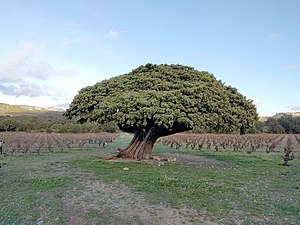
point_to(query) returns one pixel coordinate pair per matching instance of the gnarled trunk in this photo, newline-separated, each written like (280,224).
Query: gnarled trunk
(141,145)
(144,139)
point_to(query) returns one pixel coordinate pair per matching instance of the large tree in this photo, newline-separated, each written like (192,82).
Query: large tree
(158,100)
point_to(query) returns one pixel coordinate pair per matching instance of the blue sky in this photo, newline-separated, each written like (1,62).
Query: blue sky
(52,49)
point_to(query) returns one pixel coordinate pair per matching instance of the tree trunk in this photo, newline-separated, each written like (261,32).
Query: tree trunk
(141,145)
(144,139)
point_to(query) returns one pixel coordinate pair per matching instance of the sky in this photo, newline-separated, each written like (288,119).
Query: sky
(49,50)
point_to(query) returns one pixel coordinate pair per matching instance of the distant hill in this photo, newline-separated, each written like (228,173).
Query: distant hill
(278,115)
(20,110)
(263,118)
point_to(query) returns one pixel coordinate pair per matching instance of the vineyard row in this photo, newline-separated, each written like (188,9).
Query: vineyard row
(218,142)
(24,143)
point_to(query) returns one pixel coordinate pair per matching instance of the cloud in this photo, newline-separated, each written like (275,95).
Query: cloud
(293,107)
(25,73)
(24,63)
(63,105)
(257,102)
(273,36)
(290,66)
(28,90)
(14,63)
(113,34)
(40,70)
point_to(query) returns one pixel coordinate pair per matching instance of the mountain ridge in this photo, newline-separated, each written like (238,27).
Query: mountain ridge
(15,110)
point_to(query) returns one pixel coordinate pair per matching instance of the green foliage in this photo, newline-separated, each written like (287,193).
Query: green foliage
(56,123)
(173,97)
(73,128)
(274,127)
(30,123)
(110,127)
(8,124)
(281,123)
(290,124)
(259,126)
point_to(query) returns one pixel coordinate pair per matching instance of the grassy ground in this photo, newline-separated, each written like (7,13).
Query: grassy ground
(217,187)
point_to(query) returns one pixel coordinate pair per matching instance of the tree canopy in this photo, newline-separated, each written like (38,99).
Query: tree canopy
(283,124)
(166,99)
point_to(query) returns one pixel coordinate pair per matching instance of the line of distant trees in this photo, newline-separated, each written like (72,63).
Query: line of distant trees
(286,124)
(51,124)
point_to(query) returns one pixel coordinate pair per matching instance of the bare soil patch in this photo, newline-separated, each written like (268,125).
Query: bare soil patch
(114,203)
(92,201)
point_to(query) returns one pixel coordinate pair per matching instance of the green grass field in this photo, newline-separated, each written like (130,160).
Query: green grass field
(201,187)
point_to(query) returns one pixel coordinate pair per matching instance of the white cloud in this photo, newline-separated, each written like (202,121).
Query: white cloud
(14,63)
(293,107)
(26,89)
(25,63)
(257,102)
(63,105)
(25,73)
(113,34)
(273,36)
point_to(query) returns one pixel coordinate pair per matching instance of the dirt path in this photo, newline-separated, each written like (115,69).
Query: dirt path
(116,204)
(92,201)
